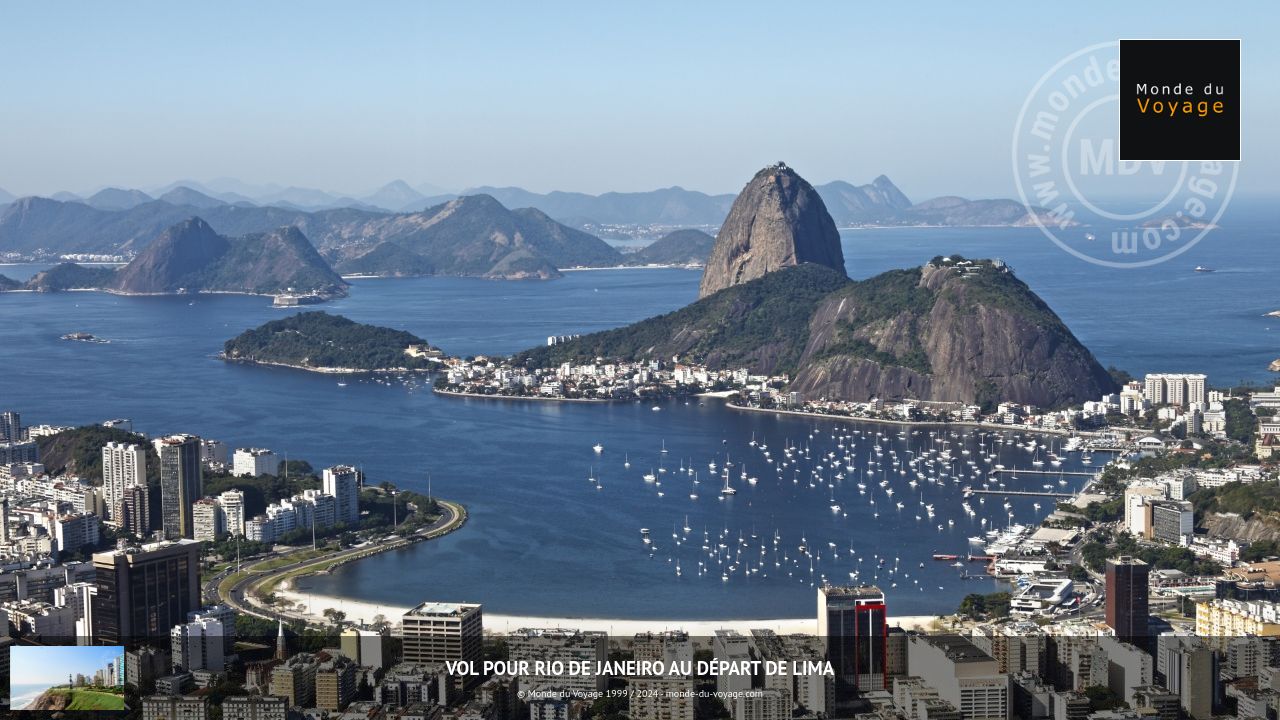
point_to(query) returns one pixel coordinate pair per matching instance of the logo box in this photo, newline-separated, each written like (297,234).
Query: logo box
(1180,100)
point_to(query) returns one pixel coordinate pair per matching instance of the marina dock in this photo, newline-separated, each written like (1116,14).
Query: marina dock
(1025,493)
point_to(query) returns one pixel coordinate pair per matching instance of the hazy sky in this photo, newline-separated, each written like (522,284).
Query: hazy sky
(31,665)
(589,97)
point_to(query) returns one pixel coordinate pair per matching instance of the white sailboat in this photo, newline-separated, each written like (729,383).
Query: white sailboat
(727,489)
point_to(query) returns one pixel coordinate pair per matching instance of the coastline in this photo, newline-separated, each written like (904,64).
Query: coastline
(125,293)
(363,611)
(539,398)
(659,266)
(918,423)
(460,393)
(323,370)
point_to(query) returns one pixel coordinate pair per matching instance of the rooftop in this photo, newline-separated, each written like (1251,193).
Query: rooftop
(869,592)
(956,648)
(442,609)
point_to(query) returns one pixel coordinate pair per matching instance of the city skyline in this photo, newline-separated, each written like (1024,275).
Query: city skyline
(594,100)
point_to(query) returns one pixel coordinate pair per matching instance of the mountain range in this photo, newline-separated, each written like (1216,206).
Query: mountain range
(191,257)
(472,235)
(775,298)
(877,203)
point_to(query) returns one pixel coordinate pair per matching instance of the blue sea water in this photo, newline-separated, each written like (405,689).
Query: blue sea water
(20,696)
(541,539)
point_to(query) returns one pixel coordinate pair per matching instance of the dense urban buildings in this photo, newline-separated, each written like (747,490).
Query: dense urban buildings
(1043,654)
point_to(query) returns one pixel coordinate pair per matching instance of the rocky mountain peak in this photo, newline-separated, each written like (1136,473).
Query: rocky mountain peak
(889,193)
(777,221)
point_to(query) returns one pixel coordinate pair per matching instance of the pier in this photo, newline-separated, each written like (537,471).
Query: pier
(1055,473)
(1027,493)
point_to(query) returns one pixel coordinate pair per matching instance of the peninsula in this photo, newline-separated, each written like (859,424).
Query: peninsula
(776,302)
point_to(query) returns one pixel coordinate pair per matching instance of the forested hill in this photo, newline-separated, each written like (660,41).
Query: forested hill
(320,341)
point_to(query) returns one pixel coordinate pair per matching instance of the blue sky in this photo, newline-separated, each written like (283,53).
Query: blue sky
(571,96)
(32,665)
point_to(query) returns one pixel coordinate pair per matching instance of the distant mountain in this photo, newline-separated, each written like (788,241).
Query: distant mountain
(681,247)
(190,256)
(185,196)
(953,211)
(396,196)
(387,259)
(33,224)
(564,246)
(778,220)
(224,190)
(852,203)
(117,199)
(300,198)
(474,235)
(882,203)
(70,276)
(668,206)
(5,197)
(64,196)
(427,189)
(878,203)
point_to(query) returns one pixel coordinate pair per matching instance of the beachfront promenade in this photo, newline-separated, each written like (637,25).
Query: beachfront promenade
(245,588)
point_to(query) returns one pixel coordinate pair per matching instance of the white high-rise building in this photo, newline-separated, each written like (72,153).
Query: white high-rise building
(340,481)
(1195,389)
(252,462)
(199,645)
(207,519)
(124,465)
(1180,389)
(232,504)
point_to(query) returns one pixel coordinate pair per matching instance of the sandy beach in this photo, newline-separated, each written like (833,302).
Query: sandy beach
(356,610)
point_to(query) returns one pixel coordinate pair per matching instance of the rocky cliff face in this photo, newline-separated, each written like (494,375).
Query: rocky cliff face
(963,331)
(1231,525)
(777,221)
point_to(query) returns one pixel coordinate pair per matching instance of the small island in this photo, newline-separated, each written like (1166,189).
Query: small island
(319,342)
